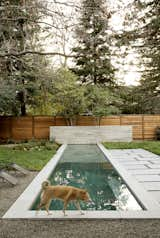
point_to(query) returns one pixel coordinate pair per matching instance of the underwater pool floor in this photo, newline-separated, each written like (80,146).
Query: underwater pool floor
(85,166)
(139,169)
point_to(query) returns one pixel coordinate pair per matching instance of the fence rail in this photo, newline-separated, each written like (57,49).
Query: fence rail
(37,127)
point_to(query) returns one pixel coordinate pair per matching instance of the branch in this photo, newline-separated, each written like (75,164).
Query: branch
(36,53)
(39,22)
(68,4)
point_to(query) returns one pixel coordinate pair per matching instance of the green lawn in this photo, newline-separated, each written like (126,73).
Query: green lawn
(35,155)
(153,146)
(32,156)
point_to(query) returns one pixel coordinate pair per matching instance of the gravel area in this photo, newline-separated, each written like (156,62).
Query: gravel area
(75,229)
(25,228)
(9,193)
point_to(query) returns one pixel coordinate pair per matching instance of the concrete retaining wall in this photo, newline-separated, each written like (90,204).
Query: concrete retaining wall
(90,134)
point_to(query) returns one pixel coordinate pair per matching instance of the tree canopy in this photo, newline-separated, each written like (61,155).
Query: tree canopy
(93,57)
(65,58)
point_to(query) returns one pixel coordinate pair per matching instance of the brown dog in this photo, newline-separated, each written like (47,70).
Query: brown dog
(65,193)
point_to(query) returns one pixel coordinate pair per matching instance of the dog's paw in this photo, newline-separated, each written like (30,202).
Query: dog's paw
(50,213)
(82,213)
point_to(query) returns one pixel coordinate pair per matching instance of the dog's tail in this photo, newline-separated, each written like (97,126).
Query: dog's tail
(45,184)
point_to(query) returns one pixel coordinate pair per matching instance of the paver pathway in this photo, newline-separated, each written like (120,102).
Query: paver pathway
(143,165)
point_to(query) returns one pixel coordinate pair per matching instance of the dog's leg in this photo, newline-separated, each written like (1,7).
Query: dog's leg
(66,200)
(64,207)
(78,207)
(39,207)
(47,208)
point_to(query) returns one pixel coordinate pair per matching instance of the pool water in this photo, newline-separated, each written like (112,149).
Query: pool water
(85,166)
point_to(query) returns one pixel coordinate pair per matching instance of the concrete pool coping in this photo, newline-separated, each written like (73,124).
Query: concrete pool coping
(20,209)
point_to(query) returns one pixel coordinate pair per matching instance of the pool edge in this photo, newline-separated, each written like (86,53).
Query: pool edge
(20,209)
(25,200)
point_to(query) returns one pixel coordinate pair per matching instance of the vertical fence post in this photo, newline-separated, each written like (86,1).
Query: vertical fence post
(33,128)
(143,127)
(55,120)
(120,120)
(10,128)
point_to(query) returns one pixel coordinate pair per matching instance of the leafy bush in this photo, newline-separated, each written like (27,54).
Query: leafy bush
(36,145)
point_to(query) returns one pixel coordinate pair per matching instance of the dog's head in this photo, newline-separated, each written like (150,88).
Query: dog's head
(45,184)
(85,195)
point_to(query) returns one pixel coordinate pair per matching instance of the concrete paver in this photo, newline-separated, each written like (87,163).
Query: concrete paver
(143,165)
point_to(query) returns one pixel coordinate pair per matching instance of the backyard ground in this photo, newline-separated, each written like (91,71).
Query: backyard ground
(152,146)
(18,228)
(32,155)
(9,193)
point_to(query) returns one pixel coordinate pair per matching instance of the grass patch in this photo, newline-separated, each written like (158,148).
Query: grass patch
(152,146)
(33,155)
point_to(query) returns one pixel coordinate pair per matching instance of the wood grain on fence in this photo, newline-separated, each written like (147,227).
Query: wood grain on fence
(150,124)
(37,127)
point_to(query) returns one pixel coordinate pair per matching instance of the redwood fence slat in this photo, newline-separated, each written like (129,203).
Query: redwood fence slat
(37,127)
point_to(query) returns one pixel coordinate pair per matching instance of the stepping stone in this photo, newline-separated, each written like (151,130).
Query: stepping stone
(134,167)
(148,178)
(152,186)
(156,194)
(126,163)
(154,166)
(153,161)
(19,168)
(8,177)
(148,159)
(146,172)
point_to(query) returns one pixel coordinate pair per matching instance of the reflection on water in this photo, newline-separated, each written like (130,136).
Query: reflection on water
(84,166)
(106,188)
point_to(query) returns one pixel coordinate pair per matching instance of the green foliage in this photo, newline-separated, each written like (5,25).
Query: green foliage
(93,63)
(128,100)
(68,95)
(41,103)
(144,39)
(8,104)
(32,156)
(100,101)
(150,83)
(18,33)
(36,146)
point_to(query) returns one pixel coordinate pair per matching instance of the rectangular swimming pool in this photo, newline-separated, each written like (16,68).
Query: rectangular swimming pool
(85,166)
(114,194)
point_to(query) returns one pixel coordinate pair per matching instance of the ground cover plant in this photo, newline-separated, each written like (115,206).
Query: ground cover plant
(31,155)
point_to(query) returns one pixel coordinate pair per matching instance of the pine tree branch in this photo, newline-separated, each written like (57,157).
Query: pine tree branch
(36,53)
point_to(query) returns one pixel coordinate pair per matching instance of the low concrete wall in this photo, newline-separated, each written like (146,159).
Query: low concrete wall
(90,134)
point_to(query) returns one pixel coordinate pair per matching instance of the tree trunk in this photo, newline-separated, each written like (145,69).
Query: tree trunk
(23,109)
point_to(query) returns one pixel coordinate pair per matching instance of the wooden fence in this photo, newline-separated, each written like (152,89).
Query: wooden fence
(37,127)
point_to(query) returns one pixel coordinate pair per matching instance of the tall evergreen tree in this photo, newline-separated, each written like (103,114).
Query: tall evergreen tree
(18,34)
(93,59)
(143,35)
(150,83)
